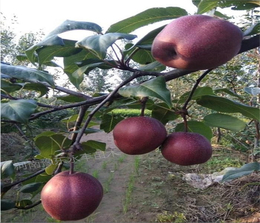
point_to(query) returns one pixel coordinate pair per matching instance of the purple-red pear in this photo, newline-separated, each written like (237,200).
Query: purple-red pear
(71,197)
(139,135)
(197,42)
(186,148)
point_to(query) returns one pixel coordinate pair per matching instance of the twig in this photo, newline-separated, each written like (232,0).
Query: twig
(194,88)
(29,206)
(79,121)
(7,187)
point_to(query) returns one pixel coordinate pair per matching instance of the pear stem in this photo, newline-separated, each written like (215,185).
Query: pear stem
(143,101)
(185,123)
(71,165)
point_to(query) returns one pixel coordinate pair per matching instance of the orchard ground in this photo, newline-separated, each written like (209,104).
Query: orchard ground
(147,188)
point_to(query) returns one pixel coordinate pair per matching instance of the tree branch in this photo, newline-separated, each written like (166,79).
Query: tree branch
(7,187)
(247,45)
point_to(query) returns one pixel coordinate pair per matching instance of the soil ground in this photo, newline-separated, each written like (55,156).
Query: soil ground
(147,188)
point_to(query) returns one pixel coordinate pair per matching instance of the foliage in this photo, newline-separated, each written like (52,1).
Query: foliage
(224,98)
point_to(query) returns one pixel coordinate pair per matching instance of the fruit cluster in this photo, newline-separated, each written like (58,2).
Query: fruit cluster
(140,135)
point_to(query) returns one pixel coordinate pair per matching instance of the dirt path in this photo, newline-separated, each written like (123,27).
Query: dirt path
(113,168)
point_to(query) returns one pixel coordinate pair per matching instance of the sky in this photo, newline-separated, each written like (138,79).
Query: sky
(35,15)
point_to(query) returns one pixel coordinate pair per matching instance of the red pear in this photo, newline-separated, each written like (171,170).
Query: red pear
(197,42)
(70,197)
(186,148)
(139,135)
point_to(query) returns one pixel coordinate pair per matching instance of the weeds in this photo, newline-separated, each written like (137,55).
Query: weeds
(176,217)
(95,174)
(129,191)
(130,185)
(216,164)
(104,165)
(106,184)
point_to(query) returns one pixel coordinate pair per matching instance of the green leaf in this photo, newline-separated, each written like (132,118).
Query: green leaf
(48,41)
(200,91)
(46,133)
(196,2)
(224,121)
(7,169)
(29,188)
(141,56)
(71,62)
(154,88)
(206,5)
(98,44)
(195,126)
(154,66)
(49,144)
(227,91)
(242,171)
(23,203)
(90,147)
(221,15)
(9,87)
(147,40)
(7,204)
(51,168)
(254,29)
(36,87)
(109,121)
(18,110)
(78,75)
(27,74)
(71,98)
(94,145)
(70,25)
(47,53)
(225,105)
(146,17)
(52,39)
(163,113)
(46,146)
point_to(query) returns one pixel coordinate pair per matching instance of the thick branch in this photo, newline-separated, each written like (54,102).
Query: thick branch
(247,45)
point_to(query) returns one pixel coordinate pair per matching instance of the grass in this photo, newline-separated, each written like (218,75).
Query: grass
(131,183)
(176,217)
(216,164)
(104,165)
(108,181)
(129,191)
(137,164)
(95,174)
